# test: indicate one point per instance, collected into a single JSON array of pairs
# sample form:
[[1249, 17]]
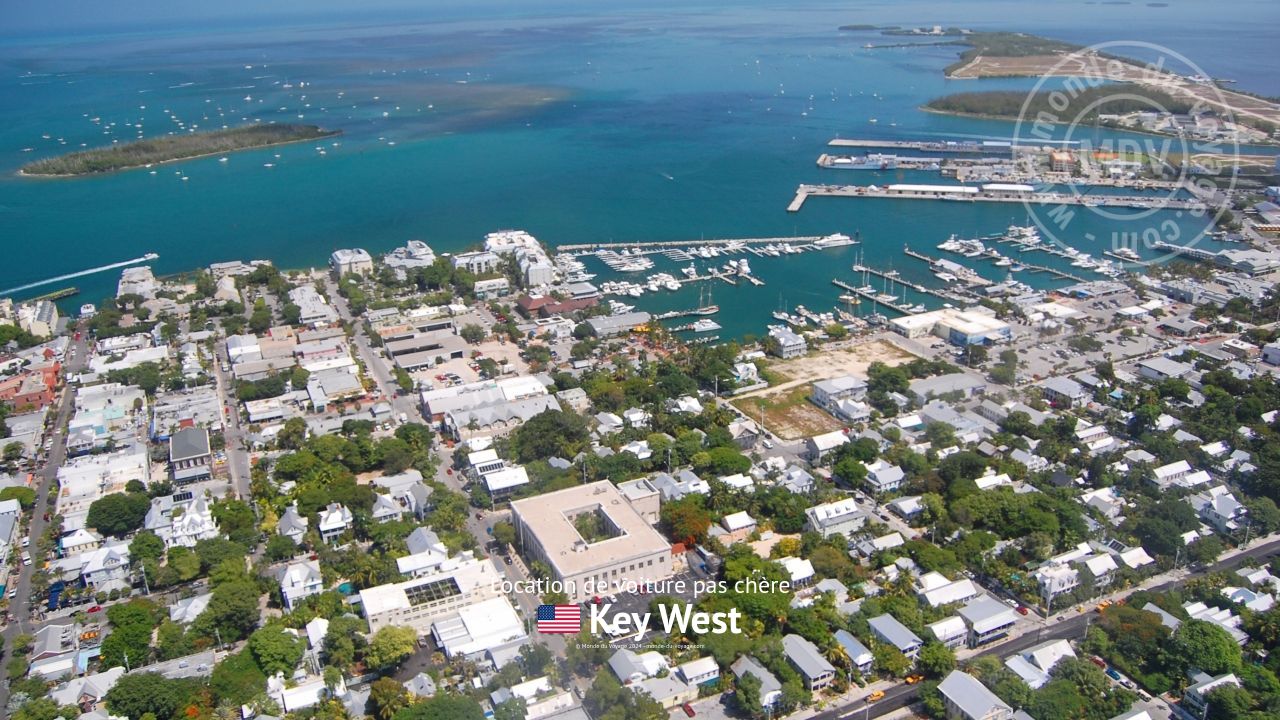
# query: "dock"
[[672, 314], [948, 295], [985, 147], [890, 162], [895, 306], [1032, 267], [964, 193], [661, 246]]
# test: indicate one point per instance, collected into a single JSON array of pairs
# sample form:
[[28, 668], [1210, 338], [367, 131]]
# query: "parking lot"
[[638, 602]]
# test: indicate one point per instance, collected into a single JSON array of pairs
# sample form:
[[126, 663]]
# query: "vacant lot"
[[787, 410]]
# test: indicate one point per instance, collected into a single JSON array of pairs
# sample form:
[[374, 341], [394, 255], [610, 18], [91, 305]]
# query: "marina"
[[992, 192], [984, 147], [877, 161]]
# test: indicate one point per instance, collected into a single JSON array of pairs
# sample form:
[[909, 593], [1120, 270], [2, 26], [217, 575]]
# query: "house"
[[950, 631], [1035, 663], [420, 686], [883, 477], [1194, 698], [630, 667], [800, 571], [88, 692], [796, 480], [805, 657], [738, 526], [1218, 508], [827, 394], [385, 509], [185, 611], [334, 520], [966, 698], [962, 385], [886, 628], [703, 671], [786, 343], [819, 447], [685, 404], [1162, 368], [842, 517], [859, 656], [685, 482], [1063, 392], [292, 525], [770, 688], [907, 507], [298, 581], [106, 567], [937, 590], [181, 519], [988, 619], [668, 691], [870, 547]]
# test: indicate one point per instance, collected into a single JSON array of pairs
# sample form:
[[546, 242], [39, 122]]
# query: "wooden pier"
[[948, 295]]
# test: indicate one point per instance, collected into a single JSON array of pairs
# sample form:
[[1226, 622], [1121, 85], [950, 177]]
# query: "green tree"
[[280, 547], [936, 660], [275, 650], [1207, 647], [504, 533], [388, 697], [890, 660], [389, 646], [25, 496], [472, 333], [146, 545], [747, 696], [237, 679], [549, 434], [134, 696], [232, 612], [443, 707], [118, 513]]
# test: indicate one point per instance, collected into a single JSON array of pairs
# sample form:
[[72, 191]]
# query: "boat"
[[1017, 267], [1127, 254], [691, 271], [870, 161], [945, 277], [1004, 262], [834, 240], [87, 310], [704, 325]]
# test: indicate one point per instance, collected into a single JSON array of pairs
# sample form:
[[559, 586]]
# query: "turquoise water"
[[586, 124]]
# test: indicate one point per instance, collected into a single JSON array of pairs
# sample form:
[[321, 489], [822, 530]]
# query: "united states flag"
[[559, 619]]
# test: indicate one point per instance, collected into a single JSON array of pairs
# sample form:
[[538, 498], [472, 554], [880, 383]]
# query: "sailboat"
[[704, 297]]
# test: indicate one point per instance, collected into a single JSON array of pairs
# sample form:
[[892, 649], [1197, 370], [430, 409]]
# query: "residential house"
[[107, 567], [190, 459], [805, 657], [630, 667], [703, 671], [950, 631], [1035, 663], [886, 628], [335, 519], [818, 447], [770, 688], [859, 656], [292, 525], [988, 619], [827, 394], [1218, 508], [788, 344], [883, 477], [1195, 697], [842, 517], [1063, 392], [965, 698], [298, 581], [181, 519]]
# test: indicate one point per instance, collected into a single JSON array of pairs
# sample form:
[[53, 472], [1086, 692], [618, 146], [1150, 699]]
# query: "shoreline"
[[184, 158]]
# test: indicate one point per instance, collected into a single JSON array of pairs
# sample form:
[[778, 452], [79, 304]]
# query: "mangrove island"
[[169, 148]]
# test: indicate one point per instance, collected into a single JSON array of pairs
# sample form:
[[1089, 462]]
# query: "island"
[[170, 148], [1107, 100]]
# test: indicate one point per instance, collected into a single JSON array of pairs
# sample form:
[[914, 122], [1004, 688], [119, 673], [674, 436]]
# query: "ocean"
[[580, 123]]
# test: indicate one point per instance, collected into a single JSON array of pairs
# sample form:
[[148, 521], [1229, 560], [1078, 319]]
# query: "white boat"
[[945, 277], [835, 240], [743, 267], [1004, 262], [705, 325], [672, 285], [87, 310]]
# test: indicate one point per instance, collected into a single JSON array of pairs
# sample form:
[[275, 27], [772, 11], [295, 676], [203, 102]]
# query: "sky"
[[53, 17]]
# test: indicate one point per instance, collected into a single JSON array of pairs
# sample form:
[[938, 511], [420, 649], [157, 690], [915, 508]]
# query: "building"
[[489, 628], [770, 688], [620, 545], [420, 601], [988, 619], [842, 517], [354, 261], [1035, 663], [335, 519], [632, 667], [968, 699], [883, 477], [827, 394], [1063, 392], [1062, 161], [819, 447], [292, 525], [887, 629], [415, 254], [1162, 368], [962, 385], [859, 656], [788, 344], [181, 519], [107, 567], [313, 309], [39, 318], [950, 631], [1218, 508], [478, 262], [613, 325], [703, 671], [958, 327], [1194, 698], [938, 590], [805, 657], [190, 459], [298, 581]]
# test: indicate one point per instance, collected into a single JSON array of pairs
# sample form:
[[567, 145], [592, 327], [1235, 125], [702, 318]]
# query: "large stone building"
[[619, 546]]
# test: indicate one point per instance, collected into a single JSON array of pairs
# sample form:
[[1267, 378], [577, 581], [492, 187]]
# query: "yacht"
[[835, 240]]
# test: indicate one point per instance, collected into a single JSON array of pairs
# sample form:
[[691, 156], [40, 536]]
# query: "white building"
[[335, 519], [298, 581], [842, 517], [419, 602], [356, 261]]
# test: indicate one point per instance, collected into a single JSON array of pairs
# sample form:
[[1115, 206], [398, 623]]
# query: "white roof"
[[737, 521], [799, 570], [948, 628], [506, 478]]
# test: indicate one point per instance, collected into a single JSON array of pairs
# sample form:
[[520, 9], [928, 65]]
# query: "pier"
[[964, 193], [873, 297], [658, 246], [889, 162], [102, 268], [1032, 267], [985, 147], [948, 295]]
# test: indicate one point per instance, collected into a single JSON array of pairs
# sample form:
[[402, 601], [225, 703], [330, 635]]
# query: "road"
[[20, 606], [232, 432], [1071, 626], [373, 362]]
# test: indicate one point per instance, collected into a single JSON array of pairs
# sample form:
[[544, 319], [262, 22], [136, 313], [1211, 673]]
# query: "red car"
[[688, 709], [1022, 609], [95, 608]]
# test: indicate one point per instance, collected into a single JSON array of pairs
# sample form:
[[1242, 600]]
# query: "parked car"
[[876, 695], [688, 709], [1111, 673]]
